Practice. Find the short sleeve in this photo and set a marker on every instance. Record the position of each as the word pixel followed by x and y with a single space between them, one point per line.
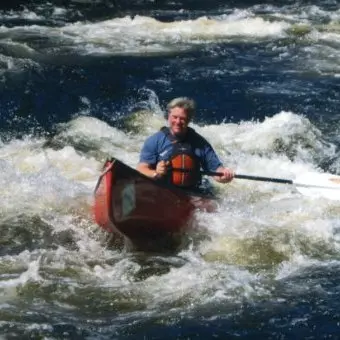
pixel 210 160
pixel 149 151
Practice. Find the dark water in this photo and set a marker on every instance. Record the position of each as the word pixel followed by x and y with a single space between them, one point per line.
pixel 84 80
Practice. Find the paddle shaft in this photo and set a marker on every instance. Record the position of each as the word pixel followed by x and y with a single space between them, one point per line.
pixel 252 178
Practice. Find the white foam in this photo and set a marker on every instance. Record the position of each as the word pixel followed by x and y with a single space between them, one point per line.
pixel 145 34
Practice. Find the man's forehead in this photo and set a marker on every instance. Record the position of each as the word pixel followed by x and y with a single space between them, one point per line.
pixel 178 110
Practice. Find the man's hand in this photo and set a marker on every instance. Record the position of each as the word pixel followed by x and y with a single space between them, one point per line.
pixel 162 168
pixel 227 176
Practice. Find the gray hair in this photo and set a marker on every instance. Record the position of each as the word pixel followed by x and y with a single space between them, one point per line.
pixel 185 103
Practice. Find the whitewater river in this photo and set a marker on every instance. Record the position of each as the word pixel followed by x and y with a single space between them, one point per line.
pixel 82 80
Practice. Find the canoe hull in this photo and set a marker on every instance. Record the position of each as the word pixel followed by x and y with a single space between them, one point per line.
pixel 147 214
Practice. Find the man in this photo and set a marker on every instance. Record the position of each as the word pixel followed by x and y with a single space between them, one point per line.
pixel 178 153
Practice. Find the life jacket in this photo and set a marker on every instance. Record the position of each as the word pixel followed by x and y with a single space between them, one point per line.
pixel 184 167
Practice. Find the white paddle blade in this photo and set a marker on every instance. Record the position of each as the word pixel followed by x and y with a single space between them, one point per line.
pixel 319 185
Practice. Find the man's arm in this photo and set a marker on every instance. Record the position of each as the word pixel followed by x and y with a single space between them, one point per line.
pixel 146 170
pixel 211 162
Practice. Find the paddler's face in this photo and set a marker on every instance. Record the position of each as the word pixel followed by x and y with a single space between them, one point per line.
pixel 178 120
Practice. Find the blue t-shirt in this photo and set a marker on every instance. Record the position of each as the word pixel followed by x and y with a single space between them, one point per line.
pixel 159 147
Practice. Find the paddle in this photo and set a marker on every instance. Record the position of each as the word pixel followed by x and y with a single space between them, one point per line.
pixel 310 183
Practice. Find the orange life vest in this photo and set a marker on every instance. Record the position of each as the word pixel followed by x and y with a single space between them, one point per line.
pixel 184 168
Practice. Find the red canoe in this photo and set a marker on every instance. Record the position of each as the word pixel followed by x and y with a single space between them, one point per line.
pixel 148 214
